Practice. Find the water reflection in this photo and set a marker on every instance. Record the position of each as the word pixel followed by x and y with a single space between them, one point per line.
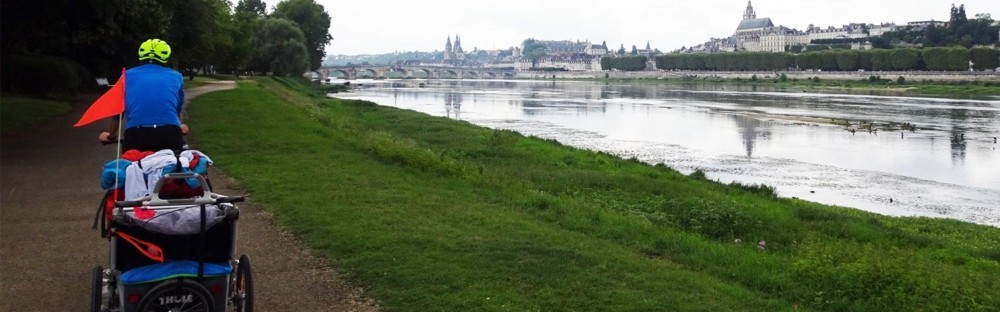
pixel 806 145
pixel 453 104
pixel 751 129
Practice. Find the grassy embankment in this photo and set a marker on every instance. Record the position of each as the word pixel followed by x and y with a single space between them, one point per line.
pixel 434 214
pixel 19 112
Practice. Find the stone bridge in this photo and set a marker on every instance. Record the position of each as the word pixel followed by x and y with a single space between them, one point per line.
pixel 429 72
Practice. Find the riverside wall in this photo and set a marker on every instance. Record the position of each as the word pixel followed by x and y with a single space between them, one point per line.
pixel 801 75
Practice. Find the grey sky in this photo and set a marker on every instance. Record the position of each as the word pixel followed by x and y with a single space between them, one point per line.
pixel 384 26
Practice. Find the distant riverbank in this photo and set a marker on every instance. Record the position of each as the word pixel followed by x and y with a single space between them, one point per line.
pixel 801 75
pixel 952 84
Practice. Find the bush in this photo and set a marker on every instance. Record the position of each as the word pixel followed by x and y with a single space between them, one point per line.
pixel 946 58
pixel 625 63
pixel 42 75
pixel 905 59
pixel 985 58
pixel 709 218
pixel 901 80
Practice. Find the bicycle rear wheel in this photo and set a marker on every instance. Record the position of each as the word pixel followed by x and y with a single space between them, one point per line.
pixel 242 290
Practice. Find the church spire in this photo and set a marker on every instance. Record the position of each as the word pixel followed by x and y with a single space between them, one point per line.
pixel 447 46
pixel 749 13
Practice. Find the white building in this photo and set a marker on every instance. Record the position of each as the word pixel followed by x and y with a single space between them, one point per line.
pixel 760 34
pixel 596 49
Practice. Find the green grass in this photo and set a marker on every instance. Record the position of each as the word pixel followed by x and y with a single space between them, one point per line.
pixel 432 214
pixel 18 112
pixel 197 82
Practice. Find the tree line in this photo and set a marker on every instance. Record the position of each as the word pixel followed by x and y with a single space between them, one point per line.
pixel 59 47
pixel 938 58
pixel 624 63
pixel 960 30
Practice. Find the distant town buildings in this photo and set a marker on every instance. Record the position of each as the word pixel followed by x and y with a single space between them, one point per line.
pixel 755 34
pixel 559 54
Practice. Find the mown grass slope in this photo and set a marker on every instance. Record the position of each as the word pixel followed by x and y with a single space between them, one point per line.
pixel 434 214
pixel 18 111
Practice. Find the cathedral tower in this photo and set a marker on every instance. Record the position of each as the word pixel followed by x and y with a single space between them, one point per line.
pixel 447 46
pixel 458 44
pixel 749 13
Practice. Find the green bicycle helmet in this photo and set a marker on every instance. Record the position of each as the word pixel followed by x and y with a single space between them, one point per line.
pixel 154 49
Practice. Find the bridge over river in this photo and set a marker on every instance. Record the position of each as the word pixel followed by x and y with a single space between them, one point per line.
pixel 431 72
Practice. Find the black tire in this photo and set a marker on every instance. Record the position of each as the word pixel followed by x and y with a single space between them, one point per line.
pixel 97 285
pixel 242 290
pixel 177 296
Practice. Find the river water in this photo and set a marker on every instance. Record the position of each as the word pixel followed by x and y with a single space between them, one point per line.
pixel 894 155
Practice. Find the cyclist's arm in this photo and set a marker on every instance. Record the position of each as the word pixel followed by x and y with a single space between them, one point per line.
pixel 113 128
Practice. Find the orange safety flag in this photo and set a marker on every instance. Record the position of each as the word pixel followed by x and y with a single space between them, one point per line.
pixel 110 104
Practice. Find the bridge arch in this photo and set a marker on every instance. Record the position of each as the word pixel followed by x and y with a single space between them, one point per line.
pixel 450 74
pixel 427 73
pixel 368 73
pixel 343 73
pixel 410 72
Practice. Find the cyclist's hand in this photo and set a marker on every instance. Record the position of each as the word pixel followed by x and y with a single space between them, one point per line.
pixel 104 137
pixel 184 129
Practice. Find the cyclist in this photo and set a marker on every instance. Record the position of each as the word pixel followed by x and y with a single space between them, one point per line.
pixel 154 98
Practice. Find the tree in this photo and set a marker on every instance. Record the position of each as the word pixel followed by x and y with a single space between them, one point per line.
pixel 621 50
pixel 251 9
pixel 945 58
pixel 282 48
pixel 847 60
pixel 197 33
pixel 905 59
pixel 634 50
pixel 984 58
pixel 957 17
pixel 533 50
pixel 314 22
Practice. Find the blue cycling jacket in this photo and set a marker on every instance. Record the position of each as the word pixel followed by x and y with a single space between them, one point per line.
pixel 154 95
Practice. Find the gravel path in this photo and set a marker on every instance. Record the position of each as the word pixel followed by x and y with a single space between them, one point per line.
pixel 49 191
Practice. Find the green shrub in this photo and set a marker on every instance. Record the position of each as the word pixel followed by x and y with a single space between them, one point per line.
pixel 712 219
pixel 985 58
pixel 945 58
pixel 42 75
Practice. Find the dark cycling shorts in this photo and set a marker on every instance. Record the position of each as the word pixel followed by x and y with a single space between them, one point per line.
pixel 147 138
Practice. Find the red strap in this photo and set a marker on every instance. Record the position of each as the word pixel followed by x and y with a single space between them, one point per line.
pixel 147 249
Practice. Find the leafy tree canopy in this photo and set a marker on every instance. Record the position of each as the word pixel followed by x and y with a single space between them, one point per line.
pixel 315 25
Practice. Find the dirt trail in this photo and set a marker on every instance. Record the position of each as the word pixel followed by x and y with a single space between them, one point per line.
pixel 49 178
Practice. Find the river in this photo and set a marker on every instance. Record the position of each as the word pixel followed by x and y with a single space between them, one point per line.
pixel 893 155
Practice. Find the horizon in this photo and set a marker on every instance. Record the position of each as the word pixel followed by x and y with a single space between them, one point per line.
pixel 412 27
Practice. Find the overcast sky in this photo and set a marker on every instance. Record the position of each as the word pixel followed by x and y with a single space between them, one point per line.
pixel 385 26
